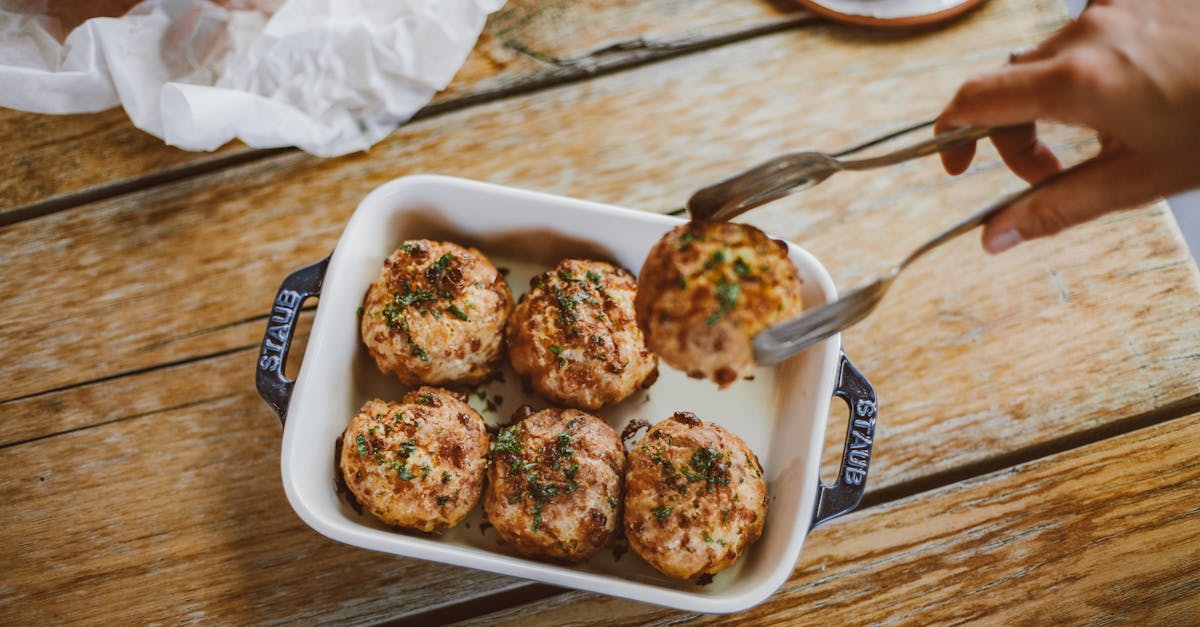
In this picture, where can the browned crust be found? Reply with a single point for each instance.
(695, 497)
(574, 339)
(555, 485)
(707, 289)
(417, 464)
(436, 315)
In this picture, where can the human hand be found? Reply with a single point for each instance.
(1127, 69)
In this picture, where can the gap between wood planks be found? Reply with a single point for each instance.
(611, 59)
(534, 591)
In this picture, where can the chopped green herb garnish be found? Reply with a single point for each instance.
(402, 472)
(509, 440)
(446, 477)
(703, 458)
(442, 500)
(668, 469)
(541, 493)
(571, 470)
(407, 448)
(361, 444)
(566, 307)
(438, 268)
(661, 512)
(426, 399)
(727, 295)
(557, 350)
(425, 470)
(687, 238)
(458, 313)
(740, 268)
(419, 352)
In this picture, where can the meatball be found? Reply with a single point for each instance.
(419, 463)
(695, 497)
(554, 487)
(436, 314)
(573, 337)
(707, 288)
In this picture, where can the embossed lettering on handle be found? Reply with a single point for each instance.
(846, 493)
(273, 384)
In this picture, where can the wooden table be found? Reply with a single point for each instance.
(1037, 453)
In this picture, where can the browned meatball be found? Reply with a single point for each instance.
(695, 497)
(706, 289)
(436, 315)
(554, 487)
(417, 464)
(573, 337)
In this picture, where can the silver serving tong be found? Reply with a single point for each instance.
(796, 171)
(781, 341)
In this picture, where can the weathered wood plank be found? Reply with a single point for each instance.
(1106, 313)
(177, 514)
(1049, 527)
(529, 43)
(148, 250)
(1108, 532)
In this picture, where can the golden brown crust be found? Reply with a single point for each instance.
(554, 487)
(417, 464)
(695, 497)
(573, 337)
(706, 289)
(436, 315)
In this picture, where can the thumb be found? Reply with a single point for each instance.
(1108, 182)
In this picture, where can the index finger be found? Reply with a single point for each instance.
(1013, 95)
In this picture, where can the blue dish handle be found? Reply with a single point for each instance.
(299, 286)
(846, 493)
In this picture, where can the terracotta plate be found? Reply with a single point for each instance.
(890, 13)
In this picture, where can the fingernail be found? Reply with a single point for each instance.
(1019, 52)
(1002, 242)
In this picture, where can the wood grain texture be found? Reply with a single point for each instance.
(176, 514)
(705, 114)
(144, 468)
(1104, 533)
(529, 43)
(1106, 313)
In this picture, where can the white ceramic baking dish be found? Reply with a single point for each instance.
(781, 413)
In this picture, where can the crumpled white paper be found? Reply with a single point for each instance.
(329, 76)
